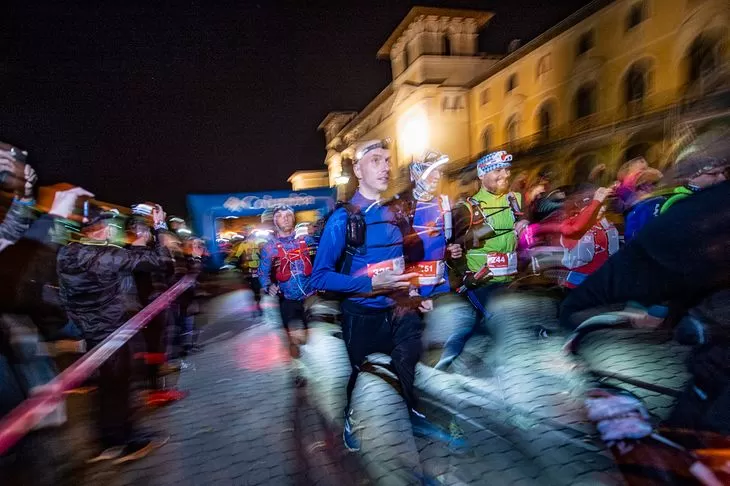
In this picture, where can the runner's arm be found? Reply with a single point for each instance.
(573, 228)
(331, 247)
(265, 265)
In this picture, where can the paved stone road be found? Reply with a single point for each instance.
(245, 423)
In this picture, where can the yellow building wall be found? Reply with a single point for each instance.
(661, 40)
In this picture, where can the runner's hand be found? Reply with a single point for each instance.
(521, 225)
(455, 251)
(426, 306)
(273, 290)
(389, 281)
(64, 202)
(602, 193)
(158, 215)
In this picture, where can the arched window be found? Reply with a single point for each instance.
(702, 59)
(545, 120)
(513, 129)
(636, 150)
(487, 139)
(583, 167)
(544, 65)
(635, 84)
(511, 83)
(636, 15)
(585, 103)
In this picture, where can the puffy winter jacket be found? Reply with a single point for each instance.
(90, 277)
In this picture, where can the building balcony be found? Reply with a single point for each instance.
(651, 110)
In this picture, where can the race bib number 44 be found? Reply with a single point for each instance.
(497, 260)
(501, 264)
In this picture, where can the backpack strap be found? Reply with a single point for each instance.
(354, 236)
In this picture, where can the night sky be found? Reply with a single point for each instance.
(153, 100)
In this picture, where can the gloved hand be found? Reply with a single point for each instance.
(473, 280)
(19, 178)
(30, 180)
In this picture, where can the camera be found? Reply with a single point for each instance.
(14, 180)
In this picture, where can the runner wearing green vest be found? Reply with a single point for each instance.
(487, 225)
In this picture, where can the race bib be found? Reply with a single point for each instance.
(501, 264)
(395, 266)
(429, 272)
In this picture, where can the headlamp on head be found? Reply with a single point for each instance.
(365, 147)
(422, 167)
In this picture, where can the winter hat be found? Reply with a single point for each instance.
(493, 161)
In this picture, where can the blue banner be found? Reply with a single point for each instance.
(205, 209)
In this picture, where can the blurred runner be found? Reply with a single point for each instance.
(284, 272)
(360, 255)
(487, 225)
(429, 248)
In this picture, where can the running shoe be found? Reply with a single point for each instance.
(137, 449)
(107, 455)
(159, 398)
(352, 442)
(422, 427)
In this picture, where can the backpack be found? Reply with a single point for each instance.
(356, 229)
(640, 214)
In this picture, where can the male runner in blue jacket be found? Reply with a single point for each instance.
(360, 255)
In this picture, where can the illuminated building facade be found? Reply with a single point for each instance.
(615, 80)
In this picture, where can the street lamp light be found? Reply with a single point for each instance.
(414, 133)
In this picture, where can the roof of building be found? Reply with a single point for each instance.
(550, 34)
(335, 114)
(481, 17)
(308, 173)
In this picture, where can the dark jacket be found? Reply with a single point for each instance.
(17, 220)
(90, 277)
(681, 256)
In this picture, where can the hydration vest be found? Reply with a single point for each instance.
(584, 251)
(425, 246)
(285, 258)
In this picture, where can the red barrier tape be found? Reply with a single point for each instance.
(26, 415)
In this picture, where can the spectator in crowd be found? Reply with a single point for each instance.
(90, 275)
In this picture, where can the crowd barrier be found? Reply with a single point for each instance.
(26, 415)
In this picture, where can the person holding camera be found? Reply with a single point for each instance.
(19, 178)
(91, 273)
